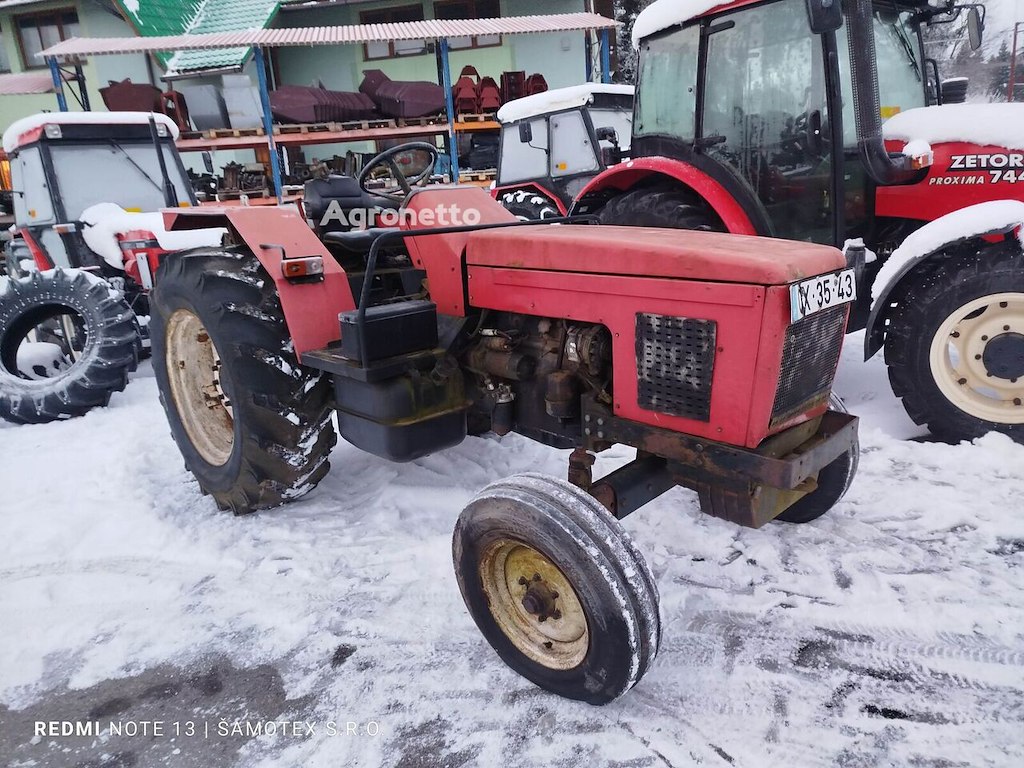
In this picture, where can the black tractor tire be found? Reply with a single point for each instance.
(593, 627)
(666, 207)
(253, 425)
(834, 481)
(87, 368)
(947, 300)
(529, 206)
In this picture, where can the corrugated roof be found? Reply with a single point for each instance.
(21, 83)
(430, 29)
(162, 18)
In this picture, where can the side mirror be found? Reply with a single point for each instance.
(824, 15)
(525, 132)
(975, 28)
(607, 134)
(208, 162)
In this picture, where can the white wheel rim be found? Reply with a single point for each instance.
(508, 569)
(193, 367)
(957, 358)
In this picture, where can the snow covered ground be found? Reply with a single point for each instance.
(890, 632)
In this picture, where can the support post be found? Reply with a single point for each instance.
(268, 121)
(1012, 85)
(606, 58)
(58, 83)
(449, 106)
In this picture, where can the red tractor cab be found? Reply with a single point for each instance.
(553, 143)
(766, 118)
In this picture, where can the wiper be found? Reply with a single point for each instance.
(900, 33)
(138, 167)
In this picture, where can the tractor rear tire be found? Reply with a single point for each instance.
(82, 351)
(253, 425)
(557, 587)
(955, 345)
(529, 206)
(666, 207)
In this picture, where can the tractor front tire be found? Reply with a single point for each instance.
(557, 587)
(67, 343)
(665, 207)
(955, 345)
(253, 425)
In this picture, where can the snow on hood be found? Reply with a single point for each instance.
(105, 221)
(18, 127)
(971, 221)
(1000, 125)
(558, 99)
(663, 14)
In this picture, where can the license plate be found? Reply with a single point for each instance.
(810, 296)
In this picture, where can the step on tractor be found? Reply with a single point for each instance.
(764, 117)
(554, 143)
(688, 347)
(86, 191)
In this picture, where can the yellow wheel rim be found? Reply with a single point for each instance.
(534, 604)
(958, 358)
(193, 368)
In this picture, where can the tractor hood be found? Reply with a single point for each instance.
(647, 252)
(978, 157)
(994, 125)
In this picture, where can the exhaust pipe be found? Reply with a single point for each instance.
(884, 169)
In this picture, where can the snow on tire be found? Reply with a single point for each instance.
(557, 587)
(67, 343)
(252, 424)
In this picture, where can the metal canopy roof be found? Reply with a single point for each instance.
(20, 83)
(339, 35)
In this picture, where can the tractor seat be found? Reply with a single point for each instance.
(355, 241)
(320, 193)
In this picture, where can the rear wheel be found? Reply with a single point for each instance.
(529, 206)
(67, 343)
(666, 207)
(557, 587)
(253, 425)
(955, 346)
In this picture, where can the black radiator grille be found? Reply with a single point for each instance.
(675, 358)
(809, 360)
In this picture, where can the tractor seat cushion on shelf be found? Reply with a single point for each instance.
(355, 241)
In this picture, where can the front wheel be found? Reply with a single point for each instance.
(557, 587)
(955, 346)
(252, 424)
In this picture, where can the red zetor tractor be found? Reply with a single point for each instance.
(764, 118)
(87, 188)
(692, 348)
(554, 143)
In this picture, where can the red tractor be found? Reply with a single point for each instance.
(694, 349)
(764, 118)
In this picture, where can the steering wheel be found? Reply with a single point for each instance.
(388, 158)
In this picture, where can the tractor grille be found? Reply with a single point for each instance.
(809, 360)
(675, 357)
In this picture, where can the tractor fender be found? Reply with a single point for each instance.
(987, 221)
(311, 309)
(628, 174)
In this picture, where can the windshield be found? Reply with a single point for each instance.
(619, 119)
(666, 97)
(127, 174)
(900, 83)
